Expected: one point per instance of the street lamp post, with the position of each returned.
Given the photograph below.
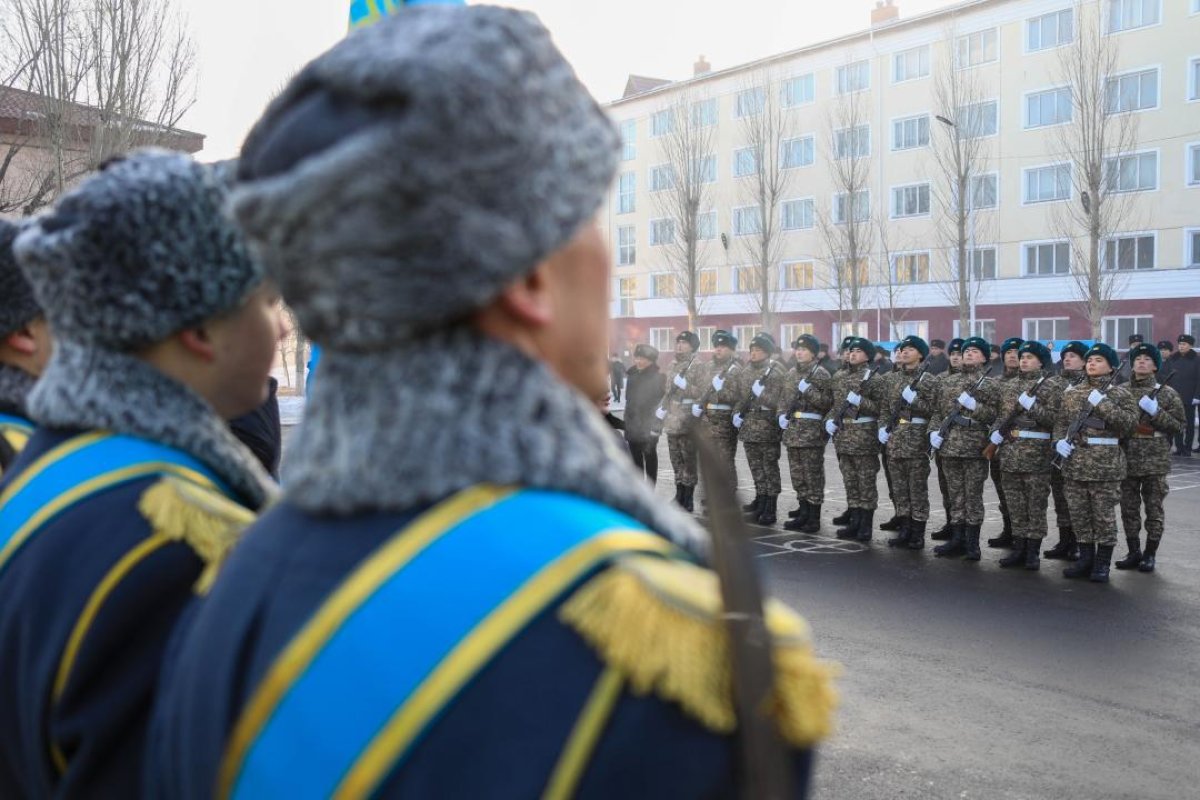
(969, 266)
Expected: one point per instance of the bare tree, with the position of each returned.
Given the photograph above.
(1100, 132)
(891, 287)
(684, 177)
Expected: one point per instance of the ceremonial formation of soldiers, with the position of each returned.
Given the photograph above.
(1069, 427)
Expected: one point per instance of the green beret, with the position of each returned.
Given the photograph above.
(979, 343)
(1146, 350)
(1038, 349)
(1101, 349)
(915, 342)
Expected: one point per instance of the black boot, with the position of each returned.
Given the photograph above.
(813, 524)
(753, 505)
(1134, 557)
(770, 506)
(1072, 548)
(972, 553)
(752, 514)
(679, 493)
(1017, 557)
(1104, 555)
(842, 518)
(799, 517)
(916, 534)
(1147, 564)
(1033, 551)
(1061, 549)
(1005, 539)
(850, 529)
(957, 544)
(894, 524)
(689, 493)
(1083, 567)
(902, 532)
(943, 533)
(866, 524)
(798, 511)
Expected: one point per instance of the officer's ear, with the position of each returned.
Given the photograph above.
(198, 342)
(529, 299)
(21, 341)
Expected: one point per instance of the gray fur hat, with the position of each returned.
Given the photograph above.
(139, 250)
(17, 304)
(403, 178)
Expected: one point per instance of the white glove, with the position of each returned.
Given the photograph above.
(996, 438)
(660, 412)
(803, 386)
(1095, 398)
(831, 427)
(1064, 448)
(783, 422)
(757, 388)
(854, 399)
(1196, 402)
(697, 411)
(680, 381)
(737, 420)
(909, 394)
(884, 436)
(1149, 405)
(718, 383)
(966, 401)
(1026, 401)
(936, 440)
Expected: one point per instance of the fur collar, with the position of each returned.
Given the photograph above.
(15, 385)
(394, 430)
(90, 388)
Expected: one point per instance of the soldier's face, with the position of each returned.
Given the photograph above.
(1010, 359)
(856, 357)
(244, 344)
(682, 348)
(1098, 366)
(1072, 361)
(1030, 363)
(757, 355)
(956, 358)
(1144, 365)
(803, 355)
(973, 357)
(908, 356)
(1185, 348)
(723, 352)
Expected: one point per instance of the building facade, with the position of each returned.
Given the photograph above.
(1011, 52)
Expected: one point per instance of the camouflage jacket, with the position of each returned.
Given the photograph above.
(760, 414)
(1024, 453)
(1115, 418)
(719, 404)
(908, 439)
(1071, 377)
(679, 401)
(857, 438)
(968, 434)
(1148, 451)
(815, 400)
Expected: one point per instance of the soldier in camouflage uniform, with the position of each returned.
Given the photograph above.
(967, 406)
(904, 437)
(1009, 357)
(715, 406)
(954, 354)
(1093, 461)
(1070, 372)
(851, 425)
(803, 436)
(685, 383)
(1148, 456)
(1021, 445)
(762, 388)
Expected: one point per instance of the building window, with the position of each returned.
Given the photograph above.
(1193, 248)
(1049, 329)
(901, 330)
(662, 231)
(910, 201)
(977, 48)
(706, 226)
(983, 263)
(626, 292)
(705, 332)
(626, 245)
(707, 169)
(985, 328)
(1129, 253)
(1125, 15)
(1135, 91)
(852, 78)
(1193, 175)
(1051, 107)
(1048, 258)
(1046, 184)
(745, 334)
(797, 91)
(798, 152)
(1117, 330)
(910, 268)
(843, 329)
(911, 64)
(745, 281)
(860, 276)
(747, 220)
(797, 214)
(629, 140)
(662, 339)
(852, 142)
(1191, 324)
(662, 284)
(842, 206)
(662, 178)
(792, 331)
(704, 113)
(662, 123)
(1132, 173)
(797, 275)
(749, 102)
(745, 162)
(910, 132)
(627, 193)
(979, 119)
(706, 284)
(1050, 30)
(984, 192)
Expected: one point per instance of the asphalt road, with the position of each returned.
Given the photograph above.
(963, 680)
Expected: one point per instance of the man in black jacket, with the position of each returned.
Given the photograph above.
(1186, 381)
(644, 388)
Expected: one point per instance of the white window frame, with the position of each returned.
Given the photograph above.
(812, 213)
(911, 254)
(788, 101)
(655, 171)
(1025, 201)
(626, 302)
(742, 110)
(1039, 320)
(902, 121)
(852, 133)
(622, 194)
(1138, 72)
(1191, 247)
(840, 330)
(736, 287)
(1135, 235)
(703, 174)
(653, 228)
(716, 230)
(862, 68)
(919, 51)
(662, 339)
(629, 140)
(1193, 81)
(1058, 29)
(790, 331)
(834, 206)
(895, 212)
(958, 40)
(980, 250)
(699, 118)
(716, 285)
(1191, 165)
(980, 329)
(745, 333)
(784, 272)
(623, 246)
(1028, 125)
(1138, 154)
(737, 173)
(995, 176)
(902, 329)
(1025, 246)
(705, 332)
(1122, 338)
(1107, 11)
(659, 119)
(962, 118)
(1191, 324)
(740, 214)
(654, 293)
(812, 147)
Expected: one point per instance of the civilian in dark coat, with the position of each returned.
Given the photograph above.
(937, 363)
(1186, 380)
(644, 390)
(260, 431)
(827, 363)
(616, 371)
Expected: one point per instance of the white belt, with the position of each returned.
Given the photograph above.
(687, 401)
(862, 420)
(807, 415)
(914, 421)
(1033, 435)
(719, 407)
(1155, 435)
(1105, 441)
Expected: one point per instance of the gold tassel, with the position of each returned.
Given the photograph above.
(658, 623)
(205, 520)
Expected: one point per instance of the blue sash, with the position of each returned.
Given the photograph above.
(16, 423)
(355, 689)
(79, 468)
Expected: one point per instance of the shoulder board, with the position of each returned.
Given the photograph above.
(658, 622)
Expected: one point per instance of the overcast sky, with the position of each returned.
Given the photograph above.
(247, 51)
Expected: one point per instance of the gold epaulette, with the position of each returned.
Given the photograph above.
(205, 520)
(658, 622)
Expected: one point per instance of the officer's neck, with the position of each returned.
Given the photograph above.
(1149, 379)
(1096, 380)
(913, 367)
(972, 369)
(1032, 374)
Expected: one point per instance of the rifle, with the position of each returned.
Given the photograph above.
(795, 404)
(898, 408)
(846, 406)
(1144, 426)
(670, 395)
(744, 406)
(954, 416)
(730, 367)
(1005, 427)
(1083, 419)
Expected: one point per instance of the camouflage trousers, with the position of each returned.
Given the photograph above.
(1062, 512)
(1148, 490)
(964, 483)
(941, 471)
(683, 458)
(764, 467)
(858, 476)
(910, 486)
(807, 466)
(1028, 496)
(887, 475)
(1094, 510)
(998, 482)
